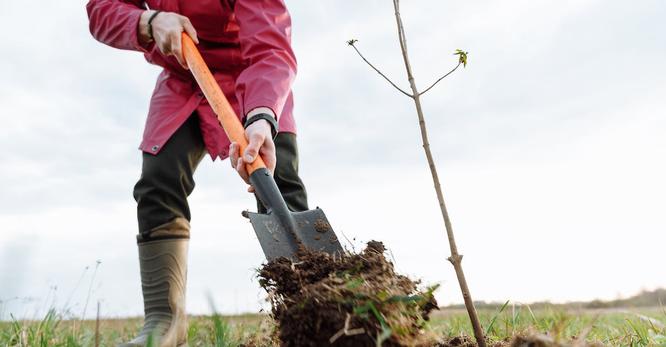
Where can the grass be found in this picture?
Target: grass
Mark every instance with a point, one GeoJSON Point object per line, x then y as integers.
{"type": "Point", "coordinates": [612, 327]}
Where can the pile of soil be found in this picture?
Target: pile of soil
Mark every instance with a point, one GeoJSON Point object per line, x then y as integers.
{"type": "Point", "coordinates": [357, 300]}
{"type": "Point", "coordinates": [352, 300]}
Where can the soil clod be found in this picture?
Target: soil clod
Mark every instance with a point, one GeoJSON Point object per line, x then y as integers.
{"type": "Point", "coordinates": [352, 300]}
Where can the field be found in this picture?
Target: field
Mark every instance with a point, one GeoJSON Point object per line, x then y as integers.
{"type": "Point", "coordinates": [611, 327]}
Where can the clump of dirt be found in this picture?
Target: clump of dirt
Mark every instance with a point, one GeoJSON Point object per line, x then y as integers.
{"type": "Point", "coordinates": [458, 341]}
{"type": "Point", "coordinates": [350, 300]}
{"type": "Point", "coordinates": [540, 340]}
{"type": "Point", "coordinates": [520, 340]}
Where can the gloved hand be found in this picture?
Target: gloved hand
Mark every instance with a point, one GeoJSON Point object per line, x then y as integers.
{"type": "Point", "coordinates": [166, 32]}
{"type": "Point", "coordinates": [260, 142]}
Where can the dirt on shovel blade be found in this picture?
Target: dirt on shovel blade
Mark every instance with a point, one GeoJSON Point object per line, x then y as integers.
{"type": "Point", "coordinates": [353, 300]}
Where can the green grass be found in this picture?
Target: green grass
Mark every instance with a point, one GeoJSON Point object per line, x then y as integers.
{"type": "Point", "coordinates": [612, 327]}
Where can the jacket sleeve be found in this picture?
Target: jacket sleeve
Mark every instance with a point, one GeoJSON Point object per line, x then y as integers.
{"type": "Point", "coordinates": [115, 22]}
{"type": "Point", "coordinates": [265, 43]}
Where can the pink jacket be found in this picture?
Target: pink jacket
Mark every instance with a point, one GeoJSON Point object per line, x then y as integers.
{"type": "Point", "coordinates": [246, 44]}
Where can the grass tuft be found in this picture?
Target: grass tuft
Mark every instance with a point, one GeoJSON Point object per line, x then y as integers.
{"type": "Point", "coordinates": [607, 327]}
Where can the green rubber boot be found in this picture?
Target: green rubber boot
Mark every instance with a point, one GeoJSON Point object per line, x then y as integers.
{"type": "Point", "coordinates": [163, 266]}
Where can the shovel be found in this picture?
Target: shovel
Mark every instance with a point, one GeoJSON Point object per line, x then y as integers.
{"type": "Point", "coordinates": [281, 232]}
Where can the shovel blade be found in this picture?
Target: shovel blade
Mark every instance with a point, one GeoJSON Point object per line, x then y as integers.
{"type": "Point", "coordinates": [313, 231]}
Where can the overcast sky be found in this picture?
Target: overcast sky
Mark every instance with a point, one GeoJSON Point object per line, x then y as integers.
{"type": "Point", "coordinates": [550, 147]}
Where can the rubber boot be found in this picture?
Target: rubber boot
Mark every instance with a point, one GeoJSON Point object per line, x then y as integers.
{"type": "Point", "coordinates": [163, 266]}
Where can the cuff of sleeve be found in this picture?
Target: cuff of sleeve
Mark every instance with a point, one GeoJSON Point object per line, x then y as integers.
{"type": "Point", "coordinates": [135, 17]}
{"type": "Point", "coordinates": [251, 105]}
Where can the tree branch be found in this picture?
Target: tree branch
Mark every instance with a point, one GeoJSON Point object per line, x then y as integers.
{"type": "Point", "coordinates": [455, 257]}
{"type": "Point", "coordinates": [441, 78]}
{"type": "Point", "coordinates": [351, 43]}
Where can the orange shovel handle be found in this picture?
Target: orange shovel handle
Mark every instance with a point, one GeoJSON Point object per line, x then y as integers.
{"type": "Point", "coordinates": [225, 113]}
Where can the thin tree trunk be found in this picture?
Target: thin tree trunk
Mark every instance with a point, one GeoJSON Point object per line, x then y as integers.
{"type": "Point", "coordinates": [455, 258]}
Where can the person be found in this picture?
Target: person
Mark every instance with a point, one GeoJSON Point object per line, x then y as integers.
{"type": "Point", "coordinates": [247, 45]}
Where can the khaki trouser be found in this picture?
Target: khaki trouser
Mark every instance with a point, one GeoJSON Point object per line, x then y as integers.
{"type": "Point", "coordinates": [167, 179]}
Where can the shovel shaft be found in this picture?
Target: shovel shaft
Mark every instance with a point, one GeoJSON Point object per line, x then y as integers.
{"type": "Point", "coordinates": [280, 232]}
{"type": "Point", "coordinates": [225, 113]}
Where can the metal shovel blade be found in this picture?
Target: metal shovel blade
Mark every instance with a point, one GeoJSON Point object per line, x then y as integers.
{"type": "Point", "coordinates": [312, 231]}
